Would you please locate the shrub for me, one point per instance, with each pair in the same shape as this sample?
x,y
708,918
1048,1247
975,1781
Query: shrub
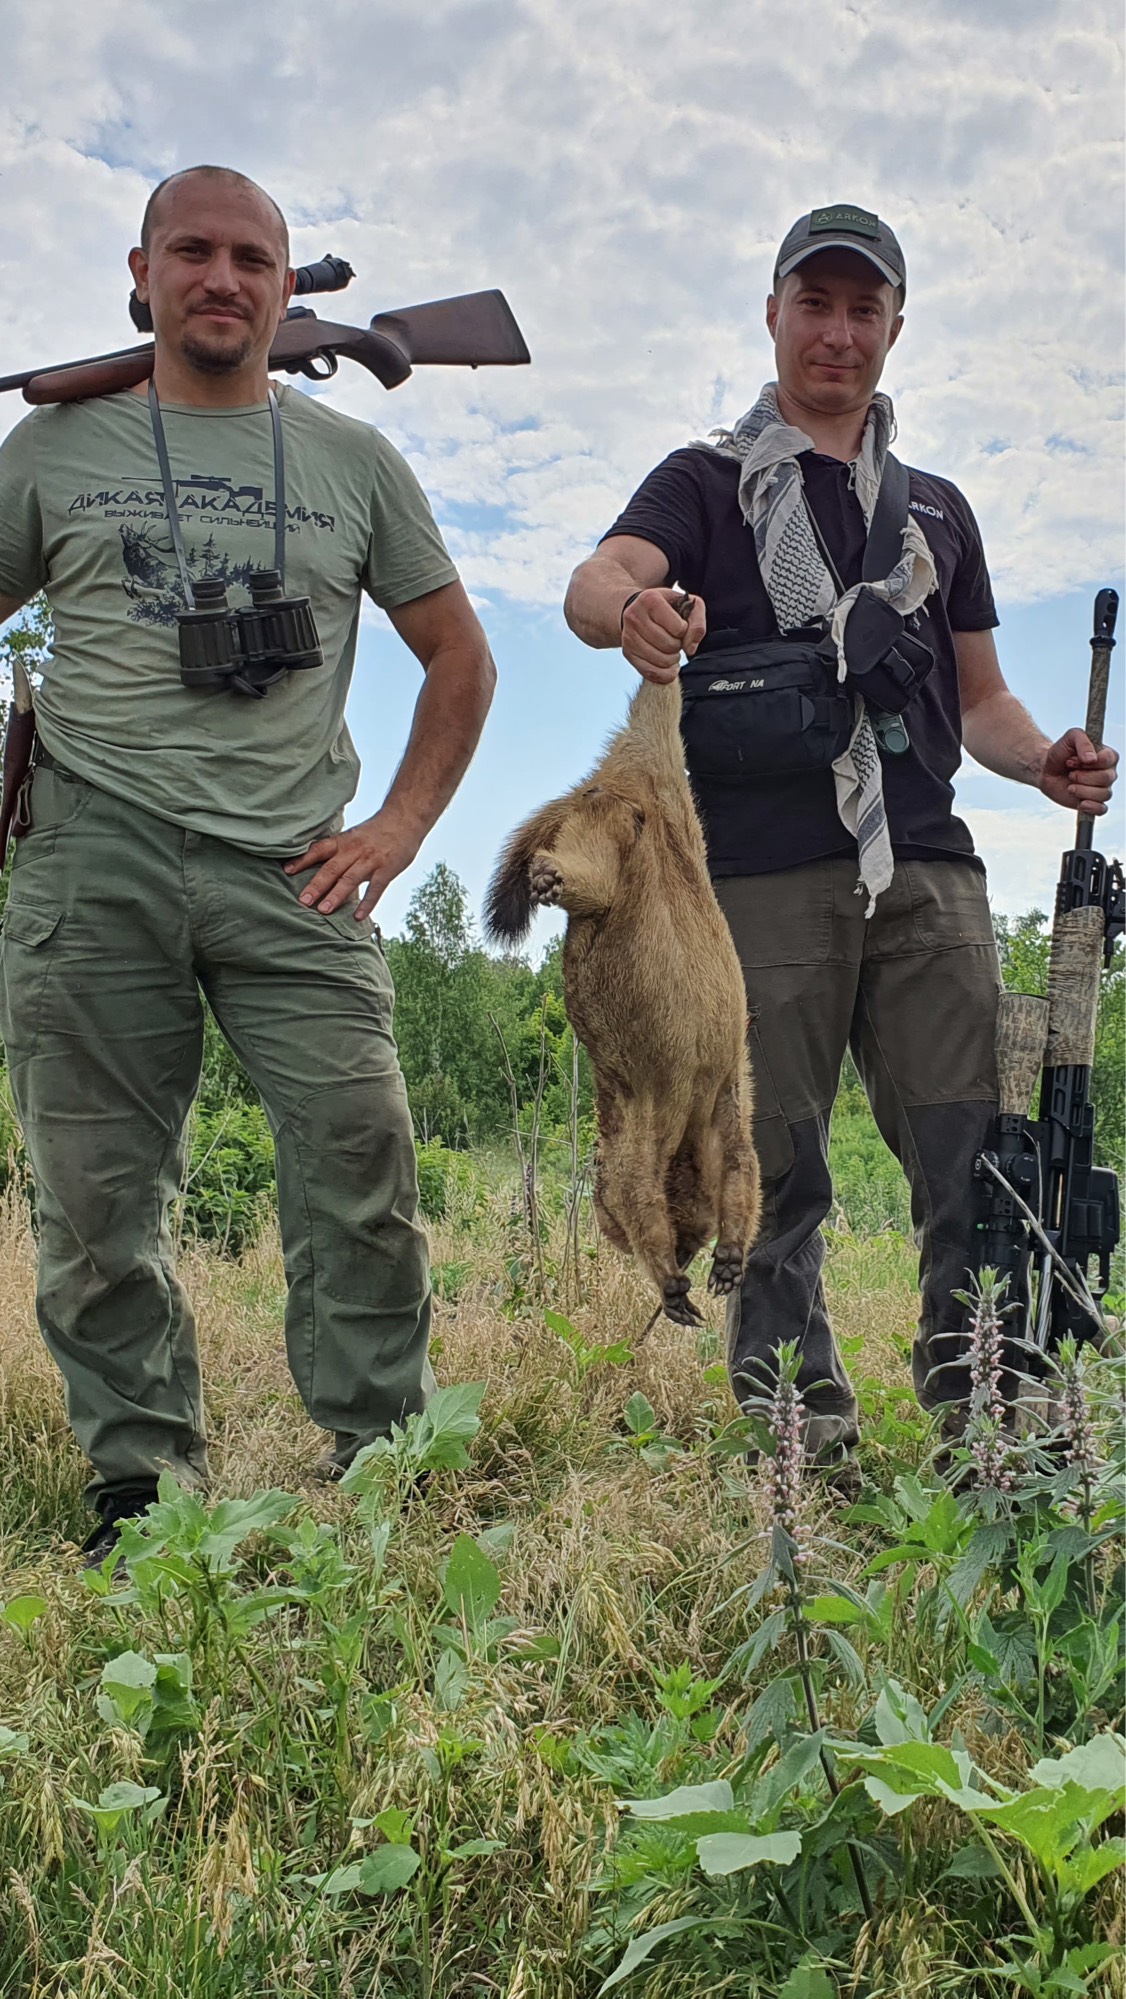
x,y
445,1179
229,1186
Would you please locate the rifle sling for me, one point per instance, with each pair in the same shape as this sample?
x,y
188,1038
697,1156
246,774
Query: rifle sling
x,y
884,545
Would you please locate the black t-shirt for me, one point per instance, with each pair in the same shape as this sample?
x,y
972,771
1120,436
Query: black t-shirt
x,y
689,509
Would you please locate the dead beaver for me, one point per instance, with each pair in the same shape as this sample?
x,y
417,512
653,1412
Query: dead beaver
x,y
655,994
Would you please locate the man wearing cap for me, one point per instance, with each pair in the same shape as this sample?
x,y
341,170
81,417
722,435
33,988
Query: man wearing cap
x,y
854,895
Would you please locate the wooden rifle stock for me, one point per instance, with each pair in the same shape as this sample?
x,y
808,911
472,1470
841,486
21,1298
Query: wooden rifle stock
x,y
475,330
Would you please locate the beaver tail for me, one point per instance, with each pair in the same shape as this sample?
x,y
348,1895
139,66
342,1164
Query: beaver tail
x,y
508,899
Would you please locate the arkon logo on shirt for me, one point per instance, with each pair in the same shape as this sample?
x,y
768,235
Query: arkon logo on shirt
x,y
921,507
735,686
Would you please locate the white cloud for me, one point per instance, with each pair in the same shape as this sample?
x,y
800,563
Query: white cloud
x,y
625,175
1022,847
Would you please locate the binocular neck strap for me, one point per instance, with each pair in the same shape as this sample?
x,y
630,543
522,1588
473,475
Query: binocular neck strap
x,y
170,491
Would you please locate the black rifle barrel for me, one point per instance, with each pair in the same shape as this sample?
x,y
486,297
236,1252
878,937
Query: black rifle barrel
x,y
1102,645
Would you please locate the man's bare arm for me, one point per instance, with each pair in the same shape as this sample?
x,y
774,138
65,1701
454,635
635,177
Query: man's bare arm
x,y
999,731
444,634
652,634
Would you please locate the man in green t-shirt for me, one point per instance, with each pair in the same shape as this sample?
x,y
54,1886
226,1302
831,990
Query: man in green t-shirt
x,y
188,841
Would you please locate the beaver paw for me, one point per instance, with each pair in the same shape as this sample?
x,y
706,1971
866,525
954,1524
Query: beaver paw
x,y
727,1268
677,1304
545,881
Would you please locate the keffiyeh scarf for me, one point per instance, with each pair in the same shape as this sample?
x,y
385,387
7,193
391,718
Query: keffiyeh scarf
x,y
801,589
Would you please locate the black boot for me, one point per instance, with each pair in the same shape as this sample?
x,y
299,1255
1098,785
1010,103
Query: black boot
x,y
124,1502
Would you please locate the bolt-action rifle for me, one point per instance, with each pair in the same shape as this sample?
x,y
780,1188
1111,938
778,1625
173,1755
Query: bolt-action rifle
x,y
1047,1209
476,329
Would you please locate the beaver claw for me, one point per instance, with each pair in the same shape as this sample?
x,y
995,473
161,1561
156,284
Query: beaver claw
x,y
545,881
678,1305
726,1270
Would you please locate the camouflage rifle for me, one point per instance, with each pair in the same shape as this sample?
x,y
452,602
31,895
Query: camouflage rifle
x,y
1047,1209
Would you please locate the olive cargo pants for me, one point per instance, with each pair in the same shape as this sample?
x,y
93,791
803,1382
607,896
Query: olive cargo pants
x,y
912,991
116,922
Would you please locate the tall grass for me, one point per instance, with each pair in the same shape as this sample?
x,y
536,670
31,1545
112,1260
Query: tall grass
x,y
350,1689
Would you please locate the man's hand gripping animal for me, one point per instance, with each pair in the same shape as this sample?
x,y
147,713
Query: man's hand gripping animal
x,y
655,994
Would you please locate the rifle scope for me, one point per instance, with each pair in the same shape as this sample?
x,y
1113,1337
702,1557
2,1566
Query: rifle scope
x,y
328,274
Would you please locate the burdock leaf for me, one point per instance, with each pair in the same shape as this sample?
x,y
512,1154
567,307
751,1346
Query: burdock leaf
x,y
23,1611
387,1870
899,1716
1098,1765
692,1809
835,1609
730,1852
129,1669
446,1425
471,1586
808,1981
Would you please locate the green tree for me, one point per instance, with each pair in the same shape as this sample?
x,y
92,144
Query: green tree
x,y
27,638
446,1044
456,1002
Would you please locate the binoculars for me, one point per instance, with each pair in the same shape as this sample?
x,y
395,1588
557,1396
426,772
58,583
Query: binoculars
x,y
250,649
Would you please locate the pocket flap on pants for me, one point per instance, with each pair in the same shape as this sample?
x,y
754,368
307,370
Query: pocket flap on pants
x,y
30,922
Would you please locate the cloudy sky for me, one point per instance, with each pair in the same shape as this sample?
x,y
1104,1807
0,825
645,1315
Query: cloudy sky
x,y
625,170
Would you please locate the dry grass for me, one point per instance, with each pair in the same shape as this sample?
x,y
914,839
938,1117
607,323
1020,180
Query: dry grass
x,y
630,1572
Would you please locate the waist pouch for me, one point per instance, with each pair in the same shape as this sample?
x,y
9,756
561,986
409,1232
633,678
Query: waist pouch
x,y
763,709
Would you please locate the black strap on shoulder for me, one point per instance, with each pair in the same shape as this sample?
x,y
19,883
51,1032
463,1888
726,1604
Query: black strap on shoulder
x,y
885,536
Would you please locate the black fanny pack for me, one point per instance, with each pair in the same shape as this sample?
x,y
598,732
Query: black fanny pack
x,y
763,709
771,707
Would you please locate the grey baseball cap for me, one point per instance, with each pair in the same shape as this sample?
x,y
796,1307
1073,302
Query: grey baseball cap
x,y
843,227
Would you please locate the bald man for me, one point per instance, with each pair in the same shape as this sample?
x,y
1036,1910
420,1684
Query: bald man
x,y
187,844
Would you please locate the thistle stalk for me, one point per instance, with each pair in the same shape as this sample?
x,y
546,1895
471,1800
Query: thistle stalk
x,y
1081,1451
789,1554
987,1436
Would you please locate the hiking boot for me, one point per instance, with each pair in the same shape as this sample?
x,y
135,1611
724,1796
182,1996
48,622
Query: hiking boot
x,y
336,1458
123,1503
837,1469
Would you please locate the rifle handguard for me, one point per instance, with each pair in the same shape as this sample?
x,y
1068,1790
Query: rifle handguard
x,y
1022,1034
1073,986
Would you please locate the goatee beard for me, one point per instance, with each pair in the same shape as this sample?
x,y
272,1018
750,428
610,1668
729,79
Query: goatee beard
x,y
216,360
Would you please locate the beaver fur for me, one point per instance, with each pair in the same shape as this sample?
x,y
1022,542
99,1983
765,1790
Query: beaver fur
x,y
655,994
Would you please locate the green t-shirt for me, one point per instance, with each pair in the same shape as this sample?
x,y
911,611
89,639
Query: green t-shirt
x,y
82,517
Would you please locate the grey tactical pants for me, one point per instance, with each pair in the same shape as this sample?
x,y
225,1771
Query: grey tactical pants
x,y
117,925
912,991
